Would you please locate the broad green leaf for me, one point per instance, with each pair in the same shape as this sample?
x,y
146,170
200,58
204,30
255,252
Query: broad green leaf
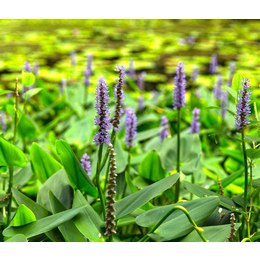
x,y
37,209
231,91
23,176
42,225
28,79
202,192
121,157
253,153
220,108
68,229
147,134
10,155
212,233
88,222
43,165
77,175
151,167
177,224
138,199
17,238
60,186
31,92
190,153
22,216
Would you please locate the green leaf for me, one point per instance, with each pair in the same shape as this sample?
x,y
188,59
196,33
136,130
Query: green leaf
x,y
60,186
76,174
212,233
256,183
253,153
237,80
151,167
22,216
28,79
43,165
147,134
42,225
231,91
10,155
3,92
38,211
214,107
202,192
88,222
138,199
31,92
190,153
177,224
68,229
17,238
23,176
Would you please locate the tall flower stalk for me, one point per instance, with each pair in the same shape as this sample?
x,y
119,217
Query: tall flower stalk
x,y
179,102
102,137
195,124
164,124
110,209
242,112
11,168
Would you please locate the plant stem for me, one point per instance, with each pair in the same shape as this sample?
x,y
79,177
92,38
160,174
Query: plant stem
x,y
251,199
11,168
98,181
193,182
177,188
246,169
199,230
128,169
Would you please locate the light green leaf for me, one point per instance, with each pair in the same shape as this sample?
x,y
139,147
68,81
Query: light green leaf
x,y
43,165
253,153
42,225
76,174
68,229
22,216
10,155
31,92
177,224
28,79
212,233
17,238
151,167
138,199
88,222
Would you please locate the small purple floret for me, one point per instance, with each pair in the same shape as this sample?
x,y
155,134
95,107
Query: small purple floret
x,y
218,87
213,64
164,123
195,124
85,162
131,127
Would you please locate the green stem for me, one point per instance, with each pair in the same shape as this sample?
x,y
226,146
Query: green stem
x,y
193,182
251,199
11,168
177,188
246,169
128,169
198,229
98,181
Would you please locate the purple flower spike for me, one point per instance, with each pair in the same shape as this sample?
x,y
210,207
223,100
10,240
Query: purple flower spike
x,y
87,74
164,123
195,74
89,63
213,64
131,69
191,40
140,81
179,90
243,108
103,116
85,162
224,103
218,87
232,69
73,58
141,103
27,66
195,124
63,83
118,90
3,121
131,127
